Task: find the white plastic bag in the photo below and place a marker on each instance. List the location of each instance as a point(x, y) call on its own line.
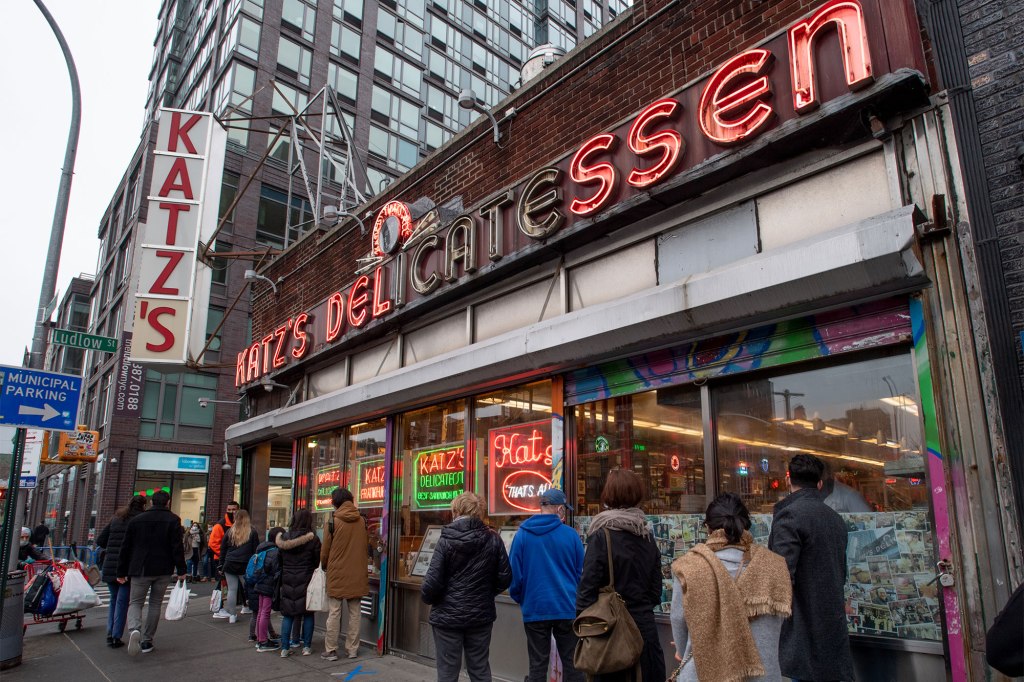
point(75, 594)
point(316, 593)
point(178, 603)
point(215, 599)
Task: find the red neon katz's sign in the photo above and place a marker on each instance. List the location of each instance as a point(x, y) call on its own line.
point(519, 467)
point(370, 489)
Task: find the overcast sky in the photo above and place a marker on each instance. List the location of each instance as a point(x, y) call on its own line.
point(112, 45)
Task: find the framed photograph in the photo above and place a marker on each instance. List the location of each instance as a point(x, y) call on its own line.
point(426, 551)
point(581, 487)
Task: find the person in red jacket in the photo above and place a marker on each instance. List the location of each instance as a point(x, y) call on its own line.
point(217, 534)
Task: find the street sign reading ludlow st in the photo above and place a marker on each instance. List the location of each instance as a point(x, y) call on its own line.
point(66, 337)
point(36, 399)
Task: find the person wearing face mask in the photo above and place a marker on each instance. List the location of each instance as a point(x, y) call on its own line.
point(26, 550)
point(193, 549)
point(217, 534)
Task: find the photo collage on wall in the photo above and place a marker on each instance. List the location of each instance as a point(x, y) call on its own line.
point(891, 588)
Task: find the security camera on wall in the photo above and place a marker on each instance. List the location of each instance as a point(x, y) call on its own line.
point(204, 402)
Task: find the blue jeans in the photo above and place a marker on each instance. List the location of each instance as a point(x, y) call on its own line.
point(117, 610)
point(208, 571)
point(307, 630)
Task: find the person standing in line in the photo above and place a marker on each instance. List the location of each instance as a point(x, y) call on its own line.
point(264, 591)
point(300, 555)
point(343, 557)
point(811, 537)
point(220, 528)
point(111, 540)
point(150, 553)
point(468, 570)
point(637, 563)
point(237, 546)
point(547, 561)
point(193, 549)
point(729, 599)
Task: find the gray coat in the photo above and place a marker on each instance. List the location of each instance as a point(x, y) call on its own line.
point(765, 629)
point(815, 643)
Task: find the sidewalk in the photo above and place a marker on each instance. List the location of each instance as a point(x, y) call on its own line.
point(196, 648)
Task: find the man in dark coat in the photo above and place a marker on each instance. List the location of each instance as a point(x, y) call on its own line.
point(811, 537)
point(150, 553)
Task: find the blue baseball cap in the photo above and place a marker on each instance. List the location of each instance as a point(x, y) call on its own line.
point(554, 497)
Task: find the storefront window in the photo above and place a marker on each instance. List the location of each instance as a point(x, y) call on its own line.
point(188, 492)
point(432, 470)
point(863, 421)
point(656, 434)
point(279, 489)
point(366, 451)
point(514, 451)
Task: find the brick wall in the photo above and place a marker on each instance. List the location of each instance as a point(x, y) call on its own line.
point(644, 60)
point(994, 40)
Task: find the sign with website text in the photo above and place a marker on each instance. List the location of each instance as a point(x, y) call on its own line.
point(369, 490)
point(173, 292)
point(519, 467)
point(843, 56)
point(439, 476)
point(327, 479)
point(130, 381)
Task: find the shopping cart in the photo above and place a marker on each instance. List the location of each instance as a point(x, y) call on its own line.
point(63, 619)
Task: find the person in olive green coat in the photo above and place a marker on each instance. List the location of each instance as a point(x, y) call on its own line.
point(344, 558)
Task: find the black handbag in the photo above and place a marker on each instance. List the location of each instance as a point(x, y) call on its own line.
point(36, 591)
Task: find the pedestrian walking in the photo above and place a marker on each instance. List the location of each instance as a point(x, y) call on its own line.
point(729, 601)
point(637, 563)
point(811, 537)
point(468, 570)
point(300, 555)
point(193, 549)
point(220, 528)
point(343, 558)
point(237, 546)
point(547, 561)
point(111, 540)
point(150, 553)
point(263, 589)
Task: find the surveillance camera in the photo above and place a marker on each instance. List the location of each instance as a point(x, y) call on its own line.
point(268, 387)
point(204, 402)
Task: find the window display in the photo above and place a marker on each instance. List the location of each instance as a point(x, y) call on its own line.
point(367, 446)
point(430, 468)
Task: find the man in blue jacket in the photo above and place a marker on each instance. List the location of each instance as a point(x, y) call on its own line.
point(547, 562)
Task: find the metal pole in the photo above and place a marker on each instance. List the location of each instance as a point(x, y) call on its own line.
point(7, 548)
point(60, 211)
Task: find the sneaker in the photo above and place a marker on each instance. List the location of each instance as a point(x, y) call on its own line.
point(146, 647)
point(115, 643)
point(354, 655)
point(274, 640)
point(252, 639)
point(232, 619)
point(109, 639)
point(285, 653)
point(245, 611)
point(266, 646)
point(307, 651)
point(134, 640)
point(329, 655)
point(296, 643)
point(222, 614)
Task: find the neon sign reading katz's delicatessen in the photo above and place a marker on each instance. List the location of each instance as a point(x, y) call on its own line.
point(776, 87)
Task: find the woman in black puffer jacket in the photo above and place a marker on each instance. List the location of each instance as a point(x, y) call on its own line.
point(110, 540)
point(300, 555)
point(468, 570)
point(237, 547)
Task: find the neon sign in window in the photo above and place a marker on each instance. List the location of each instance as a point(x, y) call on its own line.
point(519, 468)
point(440, 476)
point(327, 479)
point(370, 487)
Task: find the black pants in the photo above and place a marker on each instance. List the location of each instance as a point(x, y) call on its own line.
point(538, 645)
point(451, 643)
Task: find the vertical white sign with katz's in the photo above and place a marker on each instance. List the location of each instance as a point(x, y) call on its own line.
point(174, 286)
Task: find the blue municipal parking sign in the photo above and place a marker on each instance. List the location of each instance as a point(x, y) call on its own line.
point(36, 399)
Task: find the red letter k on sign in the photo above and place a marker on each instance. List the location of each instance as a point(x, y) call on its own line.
point(181, 131)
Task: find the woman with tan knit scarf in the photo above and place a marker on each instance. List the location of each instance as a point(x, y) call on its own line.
point(729, 601)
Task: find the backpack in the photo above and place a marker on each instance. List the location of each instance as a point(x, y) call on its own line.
point(609, 640)
point(254, 569)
